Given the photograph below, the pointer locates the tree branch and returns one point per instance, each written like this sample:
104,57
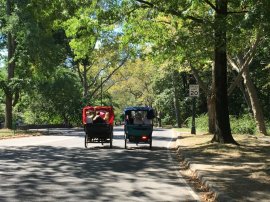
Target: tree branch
246,60
149,4
253,48
16,98
97,75
237,12
110,75
170,11
211,5
79,72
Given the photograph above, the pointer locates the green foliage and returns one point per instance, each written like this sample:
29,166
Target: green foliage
268,127
55,100
260,75
201,122
164,88
97,33
239,125
2,113
243,125
133,85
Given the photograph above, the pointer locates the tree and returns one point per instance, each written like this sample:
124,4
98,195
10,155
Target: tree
96,53
63,93
134,82
11,46
29,40
243,70
223,130
53,100
223,133
251,35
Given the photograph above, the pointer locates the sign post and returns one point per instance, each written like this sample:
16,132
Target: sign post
193,92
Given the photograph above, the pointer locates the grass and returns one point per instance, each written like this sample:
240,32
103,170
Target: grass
188,130
7,133
166,126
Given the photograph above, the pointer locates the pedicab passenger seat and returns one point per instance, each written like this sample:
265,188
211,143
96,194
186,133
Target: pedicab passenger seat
98,130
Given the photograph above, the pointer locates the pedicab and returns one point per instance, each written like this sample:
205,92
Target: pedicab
138,125
98,127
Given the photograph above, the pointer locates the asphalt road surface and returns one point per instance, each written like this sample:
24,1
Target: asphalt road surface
57,167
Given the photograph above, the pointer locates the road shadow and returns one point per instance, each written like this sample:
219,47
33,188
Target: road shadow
46,173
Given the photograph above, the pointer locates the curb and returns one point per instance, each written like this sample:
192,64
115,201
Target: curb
173,161
220,197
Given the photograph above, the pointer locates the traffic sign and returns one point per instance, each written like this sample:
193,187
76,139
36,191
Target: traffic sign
194,91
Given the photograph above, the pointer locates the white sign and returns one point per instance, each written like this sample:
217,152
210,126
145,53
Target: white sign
194,90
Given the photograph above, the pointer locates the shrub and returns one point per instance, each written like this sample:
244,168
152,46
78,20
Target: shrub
268,127
167,120
241,125
201,122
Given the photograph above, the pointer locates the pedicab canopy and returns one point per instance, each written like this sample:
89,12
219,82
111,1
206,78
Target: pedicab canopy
150,111
102,110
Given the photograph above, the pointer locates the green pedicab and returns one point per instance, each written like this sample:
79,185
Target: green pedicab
138,125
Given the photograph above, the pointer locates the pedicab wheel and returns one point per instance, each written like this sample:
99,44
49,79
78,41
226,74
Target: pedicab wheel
125,141
111,137
85,141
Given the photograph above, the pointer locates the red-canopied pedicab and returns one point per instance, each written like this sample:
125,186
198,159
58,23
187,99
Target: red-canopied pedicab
99,130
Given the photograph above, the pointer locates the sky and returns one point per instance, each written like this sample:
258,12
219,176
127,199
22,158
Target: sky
2,53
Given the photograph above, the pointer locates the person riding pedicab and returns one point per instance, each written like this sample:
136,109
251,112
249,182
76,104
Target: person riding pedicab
147,121
89,116
98,118
138,118
107,117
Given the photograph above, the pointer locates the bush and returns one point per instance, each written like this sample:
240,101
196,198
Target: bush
241,125
167,120
268,127
201,122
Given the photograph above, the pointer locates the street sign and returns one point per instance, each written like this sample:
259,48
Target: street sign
194,91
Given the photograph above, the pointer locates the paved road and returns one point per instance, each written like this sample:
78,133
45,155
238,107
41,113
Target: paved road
57,167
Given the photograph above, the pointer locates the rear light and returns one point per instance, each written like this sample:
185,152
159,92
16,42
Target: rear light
144,137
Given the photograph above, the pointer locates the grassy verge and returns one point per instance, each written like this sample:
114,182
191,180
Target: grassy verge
188,130
229,166
6,133
253,150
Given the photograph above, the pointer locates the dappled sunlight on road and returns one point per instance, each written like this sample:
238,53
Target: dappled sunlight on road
46,173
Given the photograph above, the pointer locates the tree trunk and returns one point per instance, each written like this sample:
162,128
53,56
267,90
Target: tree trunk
211,114
176,108
8,112
11,68
251,95
211,106
223,129
176,99
255,103
159,118
85,83
246,96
